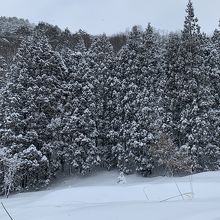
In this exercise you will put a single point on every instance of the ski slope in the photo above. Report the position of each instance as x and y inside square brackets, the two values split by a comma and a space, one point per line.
[99, 197]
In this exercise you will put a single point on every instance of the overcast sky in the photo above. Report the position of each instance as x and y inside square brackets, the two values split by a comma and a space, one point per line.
[112, 16]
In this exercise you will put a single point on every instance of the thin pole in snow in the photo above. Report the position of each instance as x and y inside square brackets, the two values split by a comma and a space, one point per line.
[179, 190]
[7, 211]
[145, 193]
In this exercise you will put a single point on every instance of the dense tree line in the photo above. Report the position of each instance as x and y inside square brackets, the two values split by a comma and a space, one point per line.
[71, 103]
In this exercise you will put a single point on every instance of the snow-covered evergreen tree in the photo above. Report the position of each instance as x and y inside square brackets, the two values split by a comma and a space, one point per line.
[138, 100]
[101, 64]
[148, 102]
[128, 68]
[3, 72]
[32, 99]
[80, 47]
[188, 97]
[79, 152]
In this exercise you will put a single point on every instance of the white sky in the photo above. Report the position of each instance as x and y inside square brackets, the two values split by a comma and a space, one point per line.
[112, 16]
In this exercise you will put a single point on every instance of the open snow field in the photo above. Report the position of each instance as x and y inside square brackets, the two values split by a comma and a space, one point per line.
[100, 197]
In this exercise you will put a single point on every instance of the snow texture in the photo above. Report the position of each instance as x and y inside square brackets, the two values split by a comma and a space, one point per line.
[99, 196]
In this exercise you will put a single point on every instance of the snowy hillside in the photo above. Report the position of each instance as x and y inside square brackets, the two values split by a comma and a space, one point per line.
[100, 197]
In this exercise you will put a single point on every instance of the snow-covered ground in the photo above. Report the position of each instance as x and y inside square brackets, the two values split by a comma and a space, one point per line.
[99, 197]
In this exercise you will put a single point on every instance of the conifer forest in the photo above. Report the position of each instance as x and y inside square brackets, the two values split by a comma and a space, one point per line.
[140, 102]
